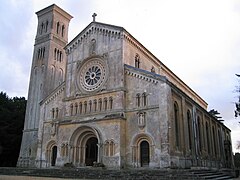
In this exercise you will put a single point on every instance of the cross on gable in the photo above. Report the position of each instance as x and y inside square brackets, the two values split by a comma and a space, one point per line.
[94, 16]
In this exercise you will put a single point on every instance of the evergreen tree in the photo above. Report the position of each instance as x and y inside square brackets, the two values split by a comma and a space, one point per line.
[12, 113]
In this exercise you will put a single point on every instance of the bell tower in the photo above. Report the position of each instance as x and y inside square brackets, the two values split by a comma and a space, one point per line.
[47, 73]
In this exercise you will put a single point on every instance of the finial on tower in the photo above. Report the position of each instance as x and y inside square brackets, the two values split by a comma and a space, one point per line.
[94, 16]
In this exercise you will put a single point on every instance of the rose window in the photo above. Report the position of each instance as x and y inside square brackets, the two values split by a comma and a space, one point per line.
[92, 75]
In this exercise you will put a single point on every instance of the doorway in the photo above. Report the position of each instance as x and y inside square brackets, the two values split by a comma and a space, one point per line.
[144, 154]
[54, 155]
[91, 151]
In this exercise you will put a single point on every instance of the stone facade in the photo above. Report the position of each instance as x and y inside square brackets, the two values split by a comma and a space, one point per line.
[104, 99]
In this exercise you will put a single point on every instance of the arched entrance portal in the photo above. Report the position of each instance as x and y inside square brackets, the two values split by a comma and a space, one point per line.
[91, 151]
[86, 148]
[54, 155]
[144, 153]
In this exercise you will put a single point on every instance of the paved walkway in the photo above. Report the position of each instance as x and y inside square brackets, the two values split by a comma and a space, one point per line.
[7, 177]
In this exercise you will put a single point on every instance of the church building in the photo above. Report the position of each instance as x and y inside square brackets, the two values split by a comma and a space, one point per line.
[103, 98]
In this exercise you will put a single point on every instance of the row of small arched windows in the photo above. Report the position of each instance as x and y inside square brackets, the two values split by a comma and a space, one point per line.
[55, 113]
[43, 27]
[60, 29]
[58, 55]
[41, 53]
[109, 148]
[91, 106]
[141, 100]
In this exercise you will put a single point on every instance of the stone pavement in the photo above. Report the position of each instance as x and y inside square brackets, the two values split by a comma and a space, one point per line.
[8, 177]
[96, 173]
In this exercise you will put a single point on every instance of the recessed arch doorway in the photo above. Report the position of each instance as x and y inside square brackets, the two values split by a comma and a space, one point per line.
[144, 154]
[91, 151]
[85, 146]
[54, 155]
[142, 150]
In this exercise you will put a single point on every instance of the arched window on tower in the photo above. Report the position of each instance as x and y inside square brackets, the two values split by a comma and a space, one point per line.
[38, 54]
[60, 56]
[55, 53]
[43, 53]
[46, 28]
[58, 26]
[41, 28]
[63, 29]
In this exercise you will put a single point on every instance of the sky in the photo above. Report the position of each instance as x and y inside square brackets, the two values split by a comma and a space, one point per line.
[199, 40]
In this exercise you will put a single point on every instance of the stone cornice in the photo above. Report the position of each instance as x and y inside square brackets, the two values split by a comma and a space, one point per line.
[77, 120]
[143, 74]
[57, 9]
[79, 96]
[54, 94]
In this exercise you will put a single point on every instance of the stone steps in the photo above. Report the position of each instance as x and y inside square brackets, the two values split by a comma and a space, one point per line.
[208, 174]
[131, 174]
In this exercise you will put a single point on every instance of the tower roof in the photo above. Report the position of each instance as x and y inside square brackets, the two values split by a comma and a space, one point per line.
[54, 7]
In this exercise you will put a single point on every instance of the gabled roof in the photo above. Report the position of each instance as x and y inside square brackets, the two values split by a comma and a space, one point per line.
[91, 26]
[123, 33]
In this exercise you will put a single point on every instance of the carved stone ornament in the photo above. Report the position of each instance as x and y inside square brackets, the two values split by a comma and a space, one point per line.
[141, 120]
[53, 128]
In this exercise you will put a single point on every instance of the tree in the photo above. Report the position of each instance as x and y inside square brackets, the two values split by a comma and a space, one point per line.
[12, 113]
[238, 145]
[237, 160]
[237, 104]
[216, 114]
